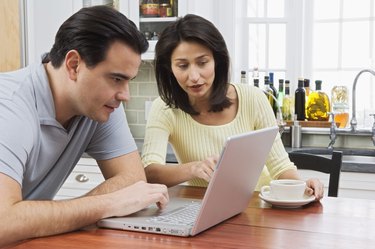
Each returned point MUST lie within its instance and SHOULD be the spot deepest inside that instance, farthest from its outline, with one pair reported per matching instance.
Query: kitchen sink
(356, 158)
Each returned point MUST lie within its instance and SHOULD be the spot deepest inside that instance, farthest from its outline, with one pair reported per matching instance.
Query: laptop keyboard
(182, 216)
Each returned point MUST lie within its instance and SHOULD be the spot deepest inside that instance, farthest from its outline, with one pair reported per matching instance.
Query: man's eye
(117, 79)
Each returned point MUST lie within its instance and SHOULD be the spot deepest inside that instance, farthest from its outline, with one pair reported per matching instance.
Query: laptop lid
(231, 187)
(228, 193)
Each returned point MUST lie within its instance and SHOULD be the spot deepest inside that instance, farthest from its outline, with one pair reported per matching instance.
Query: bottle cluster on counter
(305, 103)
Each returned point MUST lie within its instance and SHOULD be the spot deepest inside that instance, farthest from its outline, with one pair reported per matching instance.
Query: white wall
(43, 18)
(223, 15)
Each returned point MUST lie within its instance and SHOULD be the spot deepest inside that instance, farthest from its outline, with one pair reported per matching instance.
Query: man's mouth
(111, 108)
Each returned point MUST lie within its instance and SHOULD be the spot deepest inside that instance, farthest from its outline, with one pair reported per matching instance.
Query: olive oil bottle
(318, 105)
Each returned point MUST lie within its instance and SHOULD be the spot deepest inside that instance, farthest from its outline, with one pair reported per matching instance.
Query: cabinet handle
(82, 178)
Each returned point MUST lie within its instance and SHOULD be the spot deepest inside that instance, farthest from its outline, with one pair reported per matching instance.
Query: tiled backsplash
(142, 88)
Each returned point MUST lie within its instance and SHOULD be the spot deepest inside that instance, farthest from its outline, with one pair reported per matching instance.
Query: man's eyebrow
(120, 75)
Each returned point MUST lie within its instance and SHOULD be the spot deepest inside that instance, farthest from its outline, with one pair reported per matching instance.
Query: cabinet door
(10, 39)
(43, 19)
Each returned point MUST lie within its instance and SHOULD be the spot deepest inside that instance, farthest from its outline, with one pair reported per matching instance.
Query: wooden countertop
(331, 223)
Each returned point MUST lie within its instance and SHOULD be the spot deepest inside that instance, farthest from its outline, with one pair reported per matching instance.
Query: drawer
(84, 179)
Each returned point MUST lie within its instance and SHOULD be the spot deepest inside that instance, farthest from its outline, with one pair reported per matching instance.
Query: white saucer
(287, 203)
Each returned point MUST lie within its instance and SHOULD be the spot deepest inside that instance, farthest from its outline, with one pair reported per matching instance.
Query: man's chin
(101, 119)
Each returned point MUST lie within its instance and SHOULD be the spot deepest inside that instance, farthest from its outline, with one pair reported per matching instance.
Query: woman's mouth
(196, 87)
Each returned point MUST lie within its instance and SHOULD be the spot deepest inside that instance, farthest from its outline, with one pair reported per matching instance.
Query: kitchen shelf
(157, 19)
(318, 124)
(131, 8)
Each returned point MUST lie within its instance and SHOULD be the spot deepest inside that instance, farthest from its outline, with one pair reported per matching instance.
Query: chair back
(331, 166)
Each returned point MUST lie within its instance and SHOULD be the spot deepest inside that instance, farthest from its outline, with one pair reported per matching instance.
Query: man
(52, 112)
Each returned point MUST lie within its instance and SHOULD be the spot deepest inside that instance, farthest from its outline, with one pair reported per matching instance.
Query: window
(343, 45)
(317, 39)
(266, 28)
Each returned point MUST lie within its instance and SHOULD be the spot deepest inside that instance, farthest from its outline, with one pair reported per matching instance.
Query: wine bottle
(300, 100)
(270, 93)
(256, 82)
(274, 103)
(243, 77)
(280, 93)
(256, 77)
(288, 105)
(306, 85)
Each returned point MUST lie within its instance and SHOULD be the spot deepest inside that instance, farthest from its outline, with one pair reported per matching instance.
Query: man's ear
(72, 61)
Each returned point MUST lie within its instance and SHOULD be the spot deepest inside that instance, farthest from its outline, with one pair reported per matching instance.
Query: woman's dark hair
(91, 31)
(191, 28)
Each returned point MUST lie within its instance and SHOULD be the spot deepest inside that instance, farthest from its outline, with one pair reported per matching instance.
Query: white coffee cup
(285, 189)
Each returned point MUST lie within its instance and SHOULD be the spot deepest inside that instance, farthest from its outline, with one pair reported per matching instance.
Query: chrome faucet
(332, 131)
(353, 122)
(373, 130)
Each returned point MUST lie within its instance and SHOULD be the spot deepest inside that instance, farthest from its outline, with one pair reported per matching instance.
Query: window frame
(299, 19)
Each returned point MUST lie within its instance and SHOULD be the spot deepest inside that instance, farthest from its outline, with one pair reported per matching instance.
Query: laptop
(228, 193)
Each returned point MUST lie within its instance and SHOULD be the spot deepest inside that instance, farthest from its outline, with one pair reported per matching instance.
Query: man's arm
(119, 172)
(29, 219)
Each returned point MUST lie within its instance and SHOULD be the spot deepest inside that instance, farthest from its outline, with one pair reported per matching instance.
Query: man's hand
(136, 197)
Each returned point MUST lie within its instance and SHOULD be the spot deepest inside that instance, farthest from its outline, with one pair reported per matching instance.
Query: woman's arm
(173, 174)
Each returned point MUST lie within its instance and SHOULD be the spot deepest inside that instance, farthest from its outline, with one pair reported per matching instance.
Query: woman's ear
(72, 61)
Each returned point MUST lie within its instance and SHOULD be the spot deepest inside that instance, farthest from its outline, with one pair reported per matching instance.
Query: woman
(198, 109)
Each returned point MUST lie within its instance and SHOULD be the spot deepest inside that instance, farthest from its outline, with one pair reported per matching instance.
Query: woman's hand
(315, 187)
(204, 169)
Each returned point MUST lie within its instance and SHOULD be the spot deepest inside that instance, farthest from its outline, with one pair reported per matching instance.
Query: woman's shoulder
(159, 104)
(247, 90)
(159, 107)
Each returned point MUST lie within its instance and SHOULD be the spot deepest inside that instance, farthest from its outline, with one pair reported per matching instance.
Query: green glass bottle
(300, 100)
(280, 93)
(288, 104)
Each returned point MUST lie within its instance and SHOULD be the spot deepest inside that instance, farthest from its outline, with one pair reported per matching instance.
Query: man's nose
(123, 94)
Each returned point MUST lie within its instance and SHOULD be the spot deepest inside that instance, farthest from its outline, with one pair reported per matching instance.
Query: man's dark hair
(91, 31)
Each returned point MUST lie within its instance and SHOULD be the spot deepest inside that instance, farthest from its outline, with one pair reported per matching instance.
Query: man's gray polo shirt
(35, 149)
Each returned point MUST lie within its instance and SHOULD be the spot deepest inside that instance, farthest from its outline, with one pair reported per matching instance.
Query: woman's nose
(193, 75)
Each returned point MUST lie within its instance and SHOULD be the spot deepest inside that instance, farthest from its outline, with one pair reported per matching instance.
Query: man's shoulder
(19, 80)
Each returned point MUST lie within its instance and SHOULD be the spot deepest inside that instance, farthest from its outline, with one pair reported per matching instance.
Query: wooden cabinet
(85, 176)
(10, 35)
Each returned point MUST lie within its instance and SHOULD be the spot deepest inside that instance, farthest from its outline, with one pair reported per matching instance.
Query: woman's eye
(183, 66)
